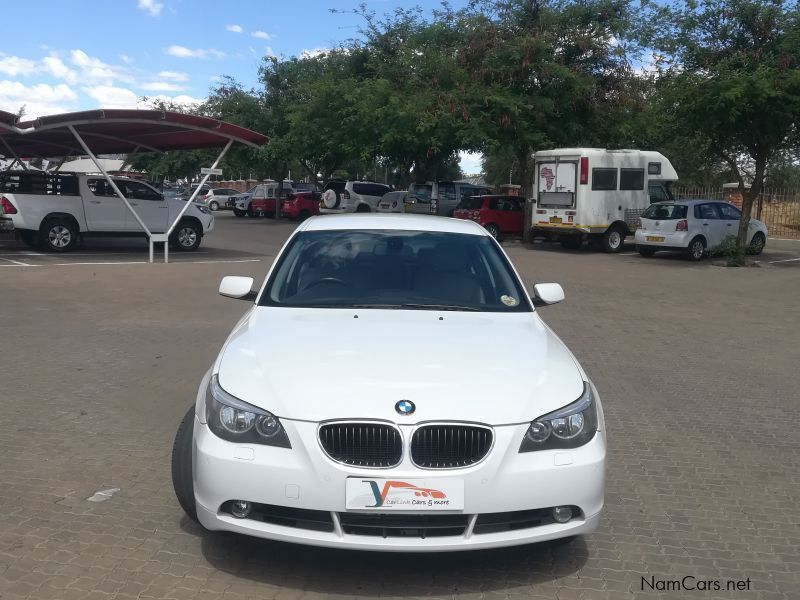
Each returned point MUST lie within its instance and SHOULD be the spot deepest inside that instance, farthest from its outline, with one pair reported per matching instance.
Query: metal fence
(778, 209)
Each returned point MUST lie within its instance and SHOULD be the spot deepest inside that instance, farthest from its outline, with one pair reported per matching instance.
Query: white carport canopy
(121, 132)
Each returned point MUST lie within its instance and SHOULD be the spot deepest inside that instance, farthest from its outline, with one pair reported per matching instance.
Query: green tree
(732, 77)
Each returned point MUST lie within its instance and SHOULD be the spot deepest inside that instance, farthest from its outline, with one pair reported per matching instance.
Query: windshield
(416, 270)
(665, 211)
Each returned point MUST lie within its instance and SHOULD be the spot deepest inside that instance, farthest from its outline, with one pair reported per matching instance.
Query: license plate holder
(395, 495)
(556, 220)
(654, 238)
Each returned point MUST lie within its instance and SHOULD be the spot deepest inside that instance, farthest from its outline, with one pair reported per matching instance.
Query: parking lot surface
(697, 366)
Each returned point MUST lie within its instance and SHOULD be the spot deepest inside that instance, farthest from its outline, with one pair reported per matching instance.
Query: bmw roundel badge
(405, 407)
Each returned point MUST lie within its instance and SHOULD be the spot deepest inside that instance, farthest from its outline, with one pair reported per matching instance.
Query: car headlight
(236, 421)
(568, 427)
(202, 209)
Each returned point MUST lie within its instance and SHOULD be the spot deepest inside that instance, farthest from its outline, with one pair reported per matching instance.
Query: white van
(596, 193)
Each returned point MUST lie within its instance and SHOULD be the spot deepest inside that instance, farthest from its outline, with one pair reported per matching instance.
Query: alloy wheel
(59, 236)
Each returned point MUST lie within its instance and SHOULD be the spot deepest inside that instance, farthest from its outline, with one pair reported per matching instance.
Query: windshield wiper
(439, 307)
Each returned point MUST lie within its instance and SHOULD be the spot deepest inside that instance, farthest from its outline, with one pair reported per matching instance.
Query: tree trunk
(748, 198)
(525, 179)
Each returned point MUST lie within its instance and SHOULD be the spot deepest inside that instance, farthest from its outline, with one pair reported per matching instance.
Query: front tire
(239, 213)
(757, 244)
(182, 466)
(59, 235)
(697, 249)
(186, 237)
(363, 208)
(214, 205)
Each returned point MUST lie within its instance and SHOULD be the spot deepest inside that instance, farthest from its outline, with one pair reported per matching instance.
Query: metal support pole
(199, 185)
(14, 154)
(113, 185)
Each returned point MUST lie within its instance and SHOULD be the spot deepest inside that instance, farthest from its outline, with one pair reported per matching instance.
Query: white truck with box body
(596, 194)
(53, 211)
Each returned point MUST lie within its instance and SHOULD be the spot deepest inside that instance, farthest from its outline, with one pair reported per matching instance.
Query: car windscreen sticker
(508, 300)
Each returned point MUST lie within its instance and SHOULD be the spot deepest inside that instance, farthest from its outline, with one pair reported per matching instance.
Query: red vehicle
(500, 215)
(301, 205)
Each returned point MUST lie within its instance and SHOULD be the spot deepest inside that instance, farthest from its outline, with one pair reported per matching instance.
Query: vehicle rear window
(665, 211)
(337, 186)
(420, 191)
(471, 203)
(413, 270)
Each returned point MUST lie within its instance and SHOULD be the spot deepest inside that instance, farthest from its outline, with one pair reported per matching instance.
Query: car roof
(396, 222)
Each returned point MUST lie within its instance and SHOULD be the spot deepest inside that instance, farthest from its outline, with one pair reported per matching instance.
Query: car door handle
(95, 201)
(705, 224)
(730, 224)
(133, 203)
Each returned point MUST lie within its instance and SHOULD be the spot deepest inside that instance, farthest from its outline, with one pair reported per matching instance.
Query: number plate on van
(555, 219)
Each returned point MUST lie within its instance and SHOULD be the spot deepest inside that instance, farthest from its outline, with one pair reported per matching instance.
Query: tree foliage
(713, 84)
(732, 81)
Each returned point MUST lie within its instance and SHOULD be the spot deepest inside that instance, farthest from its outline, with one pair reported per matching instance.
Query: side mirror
(237, 287)
(547, 293)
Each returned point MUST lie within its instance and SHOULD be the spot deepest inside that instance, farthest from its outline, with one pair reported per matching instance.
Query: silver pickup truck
(54, 211)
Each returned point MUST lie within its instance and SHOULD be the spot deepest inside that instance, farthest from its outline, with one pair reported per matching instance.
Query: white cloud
(56, 67)
(262, 35)
(109, 96)
(95, 71)
(117, 97)
(184, 52)
(14, 66)
(39, 100)
(126, 59)
(234, 28)
(151, 7)
(314, 53)
(268, 51)
(173, 75)
(162, 86)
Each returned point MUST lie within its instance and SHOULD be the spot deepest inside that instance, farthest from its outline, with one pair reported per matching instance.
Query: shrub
(730, 250)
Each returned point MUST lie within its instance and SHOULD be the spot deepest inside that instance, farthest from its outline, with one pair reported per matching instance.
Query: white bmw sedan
(486, 434)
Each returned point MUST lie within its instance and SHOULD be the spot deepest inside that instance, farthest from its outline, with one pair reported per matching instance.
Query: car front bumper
(304, 478)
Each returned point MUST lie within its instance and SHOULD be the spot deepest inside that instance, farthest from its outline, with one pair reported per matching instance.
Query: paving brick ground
(698, 367)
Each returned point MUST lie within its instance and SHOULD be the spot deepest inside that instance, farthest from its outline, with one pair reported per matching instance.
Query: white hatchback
(489, 435)
(694, 227)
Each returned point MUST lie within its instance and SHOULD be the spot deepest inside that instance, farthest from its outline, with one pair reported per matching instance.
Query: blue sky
(67, 56)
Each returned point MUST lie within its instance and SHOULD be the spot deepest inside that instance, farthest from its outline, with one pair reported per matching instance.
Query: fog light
(562, 514)
(241, 508)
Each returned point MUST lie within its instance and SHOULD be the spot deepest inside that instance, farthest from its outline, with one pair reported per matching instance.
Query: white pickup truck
(54, 211)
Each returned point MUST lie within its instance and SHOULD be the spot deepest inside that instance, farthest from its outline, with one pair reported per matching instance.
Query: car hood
(319, 364)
